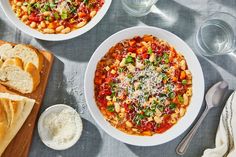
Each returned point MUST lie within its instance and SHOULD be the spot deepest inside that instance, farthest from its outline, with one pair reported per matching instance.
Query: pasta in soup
(143, 86)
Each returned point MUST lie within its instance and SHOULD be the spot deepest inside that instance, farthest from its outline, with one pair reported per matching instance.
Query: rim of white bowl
(5, 4)
(193, 109)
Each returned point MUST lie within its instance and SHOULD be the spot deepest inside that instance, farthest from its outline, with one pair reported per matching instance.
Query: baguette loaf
(14, 110)
(16, 75)
(26, 53)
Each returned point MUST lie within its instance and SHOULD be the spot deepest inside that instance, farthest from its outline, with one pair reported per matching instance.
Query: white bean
(24, 8)
(81, 24)
(182, 112)
(24, 17)
(183, 64)
(117, 107)
(128, 124)
(33, 25)
(93, 13)
(185, 97)
(60, 28)
(19, 4)
(42, 24)
(152, 57)
(48, 31)
(157, 119)
(46, 13)
(32, 1)
(66, 30)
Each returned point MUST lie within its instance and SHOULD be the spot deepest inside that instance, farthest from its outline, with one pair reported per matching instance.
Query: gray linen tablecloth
(181, 17)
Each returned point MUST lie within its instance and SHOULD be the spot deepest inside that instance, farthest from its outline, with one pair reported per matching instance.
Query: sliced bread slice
(24, 79)
(5, 47)
(28, 54)
(14, 110)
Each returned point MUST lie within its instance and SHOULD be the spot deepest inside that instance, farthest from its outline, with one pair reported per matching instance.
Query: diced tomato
(105, 92)
(132, 42)
(148, 38)
(102, 101)
(154, 46)
(145, 56)
(35, 18)
(182, 75)
(174, 79)
(138, 39)
(163, 127)
(98, 81)
(177, 73)
(141, 50)
(132, 49)
(82, 14)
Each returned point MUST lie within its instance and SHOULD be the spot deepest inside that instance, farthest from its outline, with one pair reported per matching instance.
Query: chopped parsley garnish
(147, 62)
(171, 95)
(172, 106)
(180, 99)
(165, 55)
(36, 5)
(138, 119)
(149, 113)
(129, 76)
(56, 15)
(160, 107)
(29, 9)
(184, 82)
(167, 60)
(52, 5)
(46, 6)
(73, 9)
(112, 84)
(162, 95)
(150, 50)
(111, 108)
(129, 59)
(86, 1)
(64, 15)
(120, 70)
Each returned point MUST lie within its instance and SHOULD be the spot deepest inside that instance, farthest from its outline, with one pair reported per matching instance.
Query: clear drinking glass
(138, 7)
(217, 34)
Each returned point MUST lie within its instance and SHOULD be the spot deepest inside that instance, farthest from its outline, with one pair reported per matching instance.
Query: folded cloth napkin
(226, 134)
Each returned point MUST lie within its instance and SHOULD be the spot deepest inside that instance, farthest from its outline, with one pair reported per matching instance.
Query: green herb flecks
(180, 99)
(111, 108)
(129, 59)
(172, 106)
(150, 50)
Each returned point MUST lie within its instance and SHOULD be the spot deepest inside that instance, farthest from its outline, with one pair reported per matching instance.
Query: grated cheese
(61, 126)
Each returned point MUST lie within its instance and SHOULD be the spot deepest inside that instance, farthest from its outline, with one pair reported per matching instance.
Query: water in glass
(138, 7)
(217, 35)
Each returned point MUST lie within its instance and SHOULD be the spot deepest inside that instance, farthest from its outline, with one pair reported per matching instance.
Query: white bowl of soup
(55, 20)
(144, 86)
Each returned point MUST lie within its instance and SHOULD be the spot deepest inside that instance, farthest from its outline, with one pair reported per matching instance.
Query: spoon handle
(183, 145)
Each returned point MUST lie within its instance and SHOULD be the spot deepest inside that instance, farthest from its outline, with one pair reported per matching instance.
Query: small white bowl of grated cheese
(60, 127)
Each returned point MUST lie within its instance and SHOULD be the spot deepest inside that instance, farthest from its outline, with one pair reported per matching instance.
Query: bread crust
(30, 68)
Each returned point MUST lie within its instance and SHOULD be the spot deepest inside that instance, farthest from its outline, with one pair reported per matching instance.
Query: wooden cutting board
(20, 145)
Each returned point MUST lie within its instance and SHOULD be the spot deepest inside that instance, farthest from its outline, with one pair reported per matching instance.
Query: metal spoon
(213, 98)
